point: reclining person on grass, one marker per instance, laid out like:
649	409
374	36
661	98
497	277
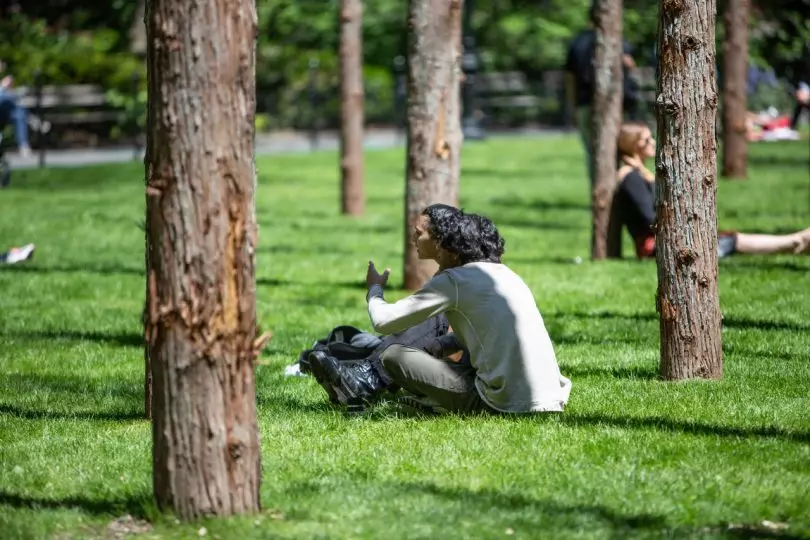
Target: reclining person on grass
635	202
493	315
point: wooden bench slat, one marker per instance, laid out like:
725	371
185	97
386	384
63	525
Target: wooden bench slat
77	95
53	102
512	101
507	82
82	117
67	91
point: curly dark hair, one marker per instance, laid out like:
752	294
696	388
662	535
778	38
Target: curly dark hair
474	238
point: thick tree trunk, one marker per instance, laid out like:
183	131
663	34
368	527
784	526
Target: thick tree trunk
606	116
201	225
351	107
735	82
686	237
434	129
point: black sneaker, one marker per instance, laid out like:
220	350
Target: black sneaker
348	383
312	358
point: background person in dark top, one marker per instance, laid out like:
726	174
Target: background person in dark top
636	204
579	83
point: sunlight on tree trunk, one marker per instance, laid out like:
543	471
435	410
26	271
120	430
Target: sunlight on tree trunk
606	118
686	185
434	124
351	107
735	89
200	323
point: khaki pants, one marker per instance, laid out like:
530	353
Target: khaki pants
448	384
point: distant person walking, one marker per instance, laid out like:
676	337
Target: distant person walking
13	113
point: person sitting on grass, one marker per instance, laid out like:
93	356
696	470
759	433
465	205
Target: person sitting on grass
512	366
635	202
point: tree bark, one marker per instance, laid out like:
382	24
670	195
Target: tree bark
434	127
606	116
201	225
735	91
686	237
147	380
351	107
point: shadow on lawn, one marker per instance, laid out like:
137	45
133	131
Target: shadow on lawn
123	339
729	321
535	224
683	426
525	514
539	205
780	160
65	397
618	372
103	270
137	506
546	513
106	416
762	263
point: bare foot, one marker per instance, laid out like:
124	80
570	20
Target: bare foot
802	242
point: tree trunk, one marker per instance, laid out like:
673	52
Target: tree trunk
351	107
434	129
686	160
147	380
735	82
201	225
606	116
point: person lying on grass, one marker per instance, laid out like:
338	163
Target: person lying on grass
512	367
636	204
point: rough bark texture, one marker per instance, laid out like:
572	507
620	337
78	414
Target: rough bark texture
735	83
606	119
147	379
201	226
351	107
434	128
686	238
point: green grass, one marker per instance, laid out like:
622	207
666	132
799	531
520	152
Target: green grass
631	457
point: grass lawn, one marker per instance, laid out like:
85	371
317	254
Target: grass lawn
631	457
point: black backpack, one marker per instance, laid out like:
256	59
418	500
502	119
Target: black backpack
338	343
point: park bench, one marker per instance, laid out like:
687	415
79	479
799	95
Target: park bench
498	93
52	107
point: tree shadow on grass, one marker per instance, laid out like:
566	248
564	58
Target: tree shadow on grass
744	323
781	160
684	426
106	416
140	506
103	270
67	397
540	205
648	373
535	224
360	285
566	261
763	263
546	512
729	321
123	339
523	513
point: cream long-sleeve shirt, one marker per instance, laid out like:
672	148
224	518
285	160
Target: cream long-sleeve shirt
494	315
